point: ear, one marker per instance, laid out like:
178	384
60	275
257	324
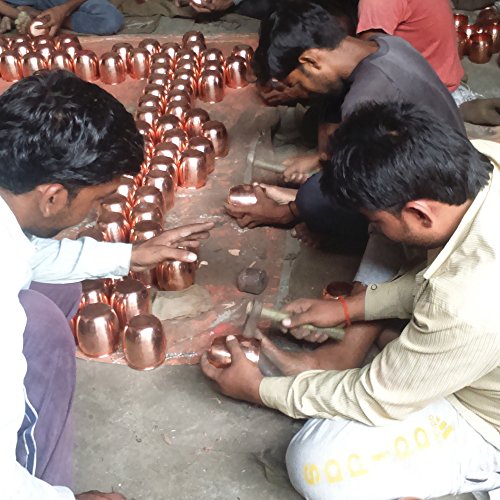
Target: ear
419	211
311	57
52	198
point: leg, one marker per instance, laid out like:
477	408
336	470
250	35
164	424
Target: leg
45	439
434	452
258	9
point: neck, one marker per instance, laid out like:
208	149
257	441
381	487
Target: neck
21	205
452	217
353	52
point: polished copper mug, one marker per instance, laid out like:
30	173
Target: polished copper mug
127	187
219	355
18	38
124	50
479	48
244	51
10	66
487	15
174	275
148	194
144	342
184	85
147	114
166	123
165	183
216	132
161	69
151	45
4	45
146	211
140	63
179	95
169	150
196	46
160	79
32	62
115	202
35	28
164	59
212	55
61	41
462	43
112	68
193	171
236	72
142	231
87	65
192	36
469	30
185	54
210	86
154	89
114	227
460	20
22	48
242	194
94	292
150	101
97	330
165	164
129	299
145	129
188	75
178	108
39	42
214	66
91	232
72	49
494	31
171	48
206	147
194	120
61	60
176	136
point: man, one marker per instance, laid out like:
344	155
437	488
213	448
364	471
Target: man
422	419
64	143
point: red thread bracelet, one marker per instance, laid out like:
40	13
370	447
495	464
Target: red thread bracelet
347	316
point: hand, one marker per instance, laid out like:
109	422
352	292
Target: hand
97	495
265	212
241	380
300	168
207	6
53	18
166	246
274	96
482	112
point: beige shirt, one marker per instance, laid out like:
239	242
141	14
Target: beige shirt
450	348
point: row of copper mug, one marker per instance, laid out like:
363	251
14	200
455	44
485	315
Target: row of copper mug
479	41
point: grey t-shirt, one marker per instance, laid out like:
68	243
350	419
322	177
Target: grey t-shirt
397	72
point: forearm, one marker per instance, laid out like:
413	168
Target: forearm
8	10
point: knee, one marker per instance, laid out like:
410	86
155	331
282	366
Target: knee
308	197
98	17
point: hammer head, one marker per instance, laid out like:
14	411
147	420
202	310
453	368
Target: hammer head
254	310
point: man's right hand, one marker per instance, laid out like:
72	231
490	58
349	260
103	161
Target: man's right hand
274	96
98	495
322	313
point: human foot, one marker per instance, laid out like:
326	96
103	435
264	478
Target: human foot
280	195
306	236
300	168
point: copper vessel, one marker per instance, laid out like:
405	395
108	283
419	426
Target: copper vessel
174	275
146	211
22	48
189	76
212	55
487	15
72	49
91	232
214	66
206	147
161	69
185	54
469	29
148	194
127	187
145	129
479	48
164	182
242	194
165	164
178	108
151	45
142	231
219	355
149	115
87	65
32	62
154	89
494	31
144	342
97	330
236	72
150	101
179	95
35	28
112	68
216	132
337	289
192	36
460	20
115	202
462	43
245	51
43	41
4	45
140	62
194	120
169	150
166	123
10	66
129	299
114	227
160	79
164	59
211	86
187	64
94	292
61	41
176	136
193	170
19	38
185	85
124	50
61	60
171	48
196	46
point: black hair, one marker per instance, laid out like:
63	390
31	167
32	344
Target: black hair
56	128
292	29
385	155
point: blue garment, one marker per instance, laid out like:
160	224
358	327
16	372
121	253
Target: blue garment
97	17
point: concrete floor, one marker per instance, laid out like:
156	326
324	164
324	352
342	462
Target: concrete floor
166	434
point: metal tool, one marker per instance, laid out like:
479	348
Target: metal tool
261	155
252	280
256	310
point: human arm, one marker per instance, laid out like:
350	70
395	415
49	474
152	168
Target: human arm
212	5
380	16
8	10
481	112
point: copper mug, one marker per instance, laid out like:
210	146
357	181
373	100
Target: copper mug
242	194
469	30
35	28
164	182
193	170
479	48
160	79
72	49
91	232
236	72
97	330
460	20
174	275
151	101
124	50
63	40
213	66
94	292
32	62
192	36
127	187
211	86
494	31
166	123
219	355
146	211
115	202
487	15
196	46
169	150
206	147
87	65
178	108
142	231
216	132
462	44
148	194
178	84
161	69
45	44
10	66
112	68
151	45
176	136
114	227
194	120
165	164
140	63
61	60
145	129
244	51
212	55
164	59
22	48
185	54
179	95
147	114
144	342
129	299
154	89
171	48
187	65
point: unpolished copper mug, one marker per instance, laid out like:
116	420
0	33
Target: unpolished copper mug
479	48
242	194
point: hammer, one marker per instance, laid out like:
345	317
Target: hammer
256	310
262	147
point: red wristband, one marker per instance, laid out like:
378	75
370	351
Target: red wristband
347	316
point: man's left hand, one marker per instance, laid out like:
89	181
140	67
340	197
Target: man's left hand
241	380
211	5
53	18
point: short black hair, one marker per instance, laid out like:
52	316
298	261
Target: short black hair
385	155
292	29
56	128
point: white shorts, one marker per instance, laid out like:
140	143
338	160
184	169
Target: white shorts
434	452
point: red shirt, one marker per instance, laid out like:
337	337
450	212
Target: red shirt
425	24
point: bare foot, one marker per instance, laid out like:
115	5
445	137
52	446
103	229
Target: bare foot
300	168
280	195
306	236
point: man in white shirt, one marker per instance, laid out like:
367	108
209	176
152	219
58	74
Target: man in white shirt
64	143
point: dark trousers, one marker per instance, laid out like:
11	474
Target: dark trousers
45	439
